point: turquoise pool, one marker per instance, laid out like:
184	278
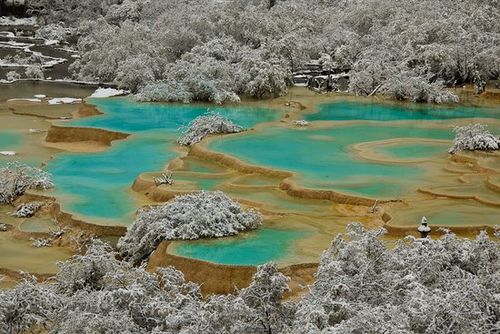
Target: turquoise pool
385	112
95	185
251	248
323	158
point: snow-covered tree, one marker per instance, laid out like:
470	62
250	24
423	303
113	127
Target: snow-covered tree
199	215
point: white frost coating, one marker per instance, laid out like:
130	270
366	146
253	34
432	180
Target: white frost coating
8	153
27	209
207	124
301	122
199	215
474	137
16	178
108	92
64	100
24	99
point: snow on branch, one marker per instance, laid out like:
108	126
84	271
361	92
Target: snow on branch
207	124
16	178
27	209
199	215
474	137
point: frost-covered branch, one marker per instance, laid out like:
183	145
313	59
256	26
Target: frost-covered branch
27	209
164	178
474	137
207	124
199	215
16	178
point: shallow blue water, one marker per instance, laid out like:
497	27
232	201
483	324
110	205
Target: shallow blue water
323	158
95	185
383	112
251	248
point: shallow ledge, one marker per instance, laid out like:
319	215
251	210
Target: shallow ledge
222	279
68	134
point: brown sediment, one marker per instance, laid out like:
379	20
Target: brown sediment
200	152
18	275
87	110
68	134
470	161
293	190
492	185
222	279
79	147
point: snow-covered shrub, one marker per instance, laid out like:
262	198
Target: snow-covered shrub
13	76
474	137
16	178
27	209
3	227
34	72
199	215
207	124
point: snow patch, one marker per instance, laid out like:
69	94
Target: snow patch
40	96
8	153
64	100
108	92
24	99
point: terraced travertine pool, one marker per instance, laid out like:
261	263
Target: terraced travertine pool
95	185
377	151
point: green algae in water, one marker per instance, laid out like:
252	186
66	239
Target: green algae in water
384	112
252	248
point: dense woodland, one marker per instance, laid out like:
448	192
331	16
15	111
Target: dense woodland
419	286
185	50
